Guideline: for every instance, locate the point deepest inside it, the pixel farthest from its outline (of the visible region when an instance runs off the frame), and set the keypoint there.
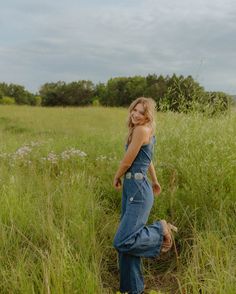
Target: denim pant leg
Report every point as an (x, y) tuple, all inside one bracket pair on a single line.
[(133, 238), (131, 278), (133, 235)]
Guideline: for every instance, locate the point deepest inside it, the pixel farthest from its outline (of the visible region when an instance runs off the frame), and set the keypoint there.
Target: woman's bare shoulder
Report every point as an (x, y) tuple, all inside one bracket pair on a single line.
[(142, 133), (143, 130)]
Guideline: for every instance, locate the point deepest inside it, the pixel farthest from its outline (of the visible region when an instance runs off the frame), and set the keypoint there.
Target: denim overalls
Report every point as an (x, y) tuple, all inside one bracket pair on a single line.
[(134, 239)]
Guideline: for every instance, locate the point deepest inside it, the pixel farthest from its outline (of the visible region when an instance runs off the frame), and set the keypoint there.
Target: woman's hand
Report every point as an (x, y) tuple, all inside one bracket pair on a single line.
[(117, 183), (156, 188)]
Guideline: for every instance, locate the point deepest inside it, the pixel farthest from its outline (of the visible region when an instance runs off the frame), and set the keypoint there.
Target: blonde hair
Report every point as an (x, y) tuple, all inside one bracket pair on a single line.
[(149, 106)]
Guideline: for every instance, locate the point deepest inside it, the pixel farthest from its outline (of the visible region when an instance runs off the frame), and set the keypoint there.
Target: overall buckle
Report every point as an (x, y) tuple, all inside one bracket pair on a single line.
[(137, 176), (128, 175)]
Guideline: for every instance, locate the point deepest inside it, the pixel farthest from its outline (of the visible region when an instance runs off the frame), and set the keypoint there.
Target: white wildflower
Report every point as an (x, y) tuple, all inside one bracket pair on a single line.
[(22, 152), (101, 157), (52, 157), (104, 157), (67, 154), (35, 144)]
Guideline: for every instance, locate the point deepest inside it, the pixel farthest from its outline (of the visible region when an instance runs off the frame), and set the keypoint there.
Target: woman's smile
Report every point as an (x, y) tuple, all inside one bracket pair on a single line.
[(134, 119), (137, 114)]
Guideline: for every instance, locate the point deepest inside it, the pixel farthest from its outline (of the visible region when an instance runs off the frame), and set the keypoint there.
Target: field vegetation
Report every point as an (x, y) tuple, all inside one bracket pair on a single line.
[(59, 211)]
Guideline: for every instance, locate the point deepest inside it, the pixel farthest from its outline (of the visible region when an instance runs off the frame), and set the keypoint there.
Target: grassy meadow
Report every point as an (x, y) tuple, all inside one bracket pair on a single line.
[(59, 210)]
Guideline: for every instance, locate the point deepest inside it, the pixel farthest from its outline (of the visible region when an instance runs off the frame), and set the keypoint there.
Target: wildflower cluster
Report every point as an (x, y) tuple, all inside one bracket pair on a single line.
[(22, 152), (52, 157), (65, 155), (104, 157)]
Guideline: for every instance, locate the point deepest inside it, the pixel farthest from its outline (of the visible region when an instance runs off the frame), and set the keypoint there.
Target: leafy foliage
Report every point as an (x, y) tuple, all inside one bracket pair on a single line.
[(7, 100), (61, 94), (171, 93), (18, 93)]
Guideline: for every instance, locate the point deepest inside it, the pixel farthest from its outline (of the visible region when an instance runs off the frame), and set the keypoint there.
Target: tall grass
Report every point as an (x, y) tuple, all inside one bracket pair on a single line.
[(59, 211)]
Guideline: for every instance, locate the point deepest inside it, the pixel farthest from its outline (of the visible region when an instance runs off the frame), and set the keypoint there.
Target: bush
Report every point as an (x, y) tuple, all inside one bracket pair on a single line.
[(96, 102), (37, 100), (7, 100)]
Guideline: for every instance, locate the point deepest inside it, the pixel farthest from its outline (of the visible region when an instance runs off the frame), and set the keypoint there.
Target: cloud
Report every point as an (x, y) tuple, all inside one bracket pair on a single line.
[(49, 41)]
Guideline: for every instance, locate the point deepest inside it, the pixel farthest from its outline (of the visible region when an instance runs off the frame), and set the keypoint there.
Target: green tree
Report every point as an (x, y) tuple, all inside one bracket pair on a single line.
[(53, 94), (100, 93), (18, 92), (156, 87), (182, 92), (121, 91), (62, 94), (81, 92)]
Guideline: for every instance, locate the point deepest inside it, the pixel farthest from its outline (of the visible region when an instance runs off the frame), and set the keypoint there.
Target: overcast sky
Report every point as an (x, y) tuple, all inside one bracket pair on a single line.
[(46, 41)]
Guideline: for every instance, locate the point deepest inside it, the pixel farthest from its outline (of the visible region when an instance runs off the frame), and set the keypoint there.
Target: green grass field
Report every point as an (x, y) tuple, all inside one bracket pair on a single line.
[(59, 210)]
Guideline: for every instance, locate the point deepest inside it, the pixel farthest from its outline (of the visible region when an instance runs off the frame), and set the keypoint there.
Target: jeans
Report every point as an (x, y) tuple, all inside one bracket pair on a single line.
[(134, 239)]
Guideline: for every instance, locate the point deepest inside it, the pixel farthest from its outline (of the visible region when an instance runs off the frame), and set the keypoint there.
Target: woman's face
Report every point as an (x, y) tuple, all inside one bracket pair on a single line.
[(137, 114)]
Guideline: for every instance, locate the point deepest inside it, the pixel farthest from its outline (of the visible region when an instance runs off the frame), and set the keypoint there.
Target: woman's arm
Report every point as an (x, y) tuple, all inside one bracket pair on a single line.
[(152, 172), (155, 184), (139, 136)]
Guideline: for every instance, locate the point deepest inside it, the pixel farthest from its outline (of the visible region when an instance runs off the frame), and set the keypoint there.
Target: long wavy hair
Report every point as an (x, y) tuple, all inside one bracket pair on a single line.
[(149, 106)]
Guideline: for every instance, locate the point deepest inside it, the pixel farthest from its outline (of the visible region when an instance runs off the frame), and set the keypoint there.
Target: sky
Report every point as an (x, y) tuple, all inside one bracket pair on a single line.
[(47, 41)]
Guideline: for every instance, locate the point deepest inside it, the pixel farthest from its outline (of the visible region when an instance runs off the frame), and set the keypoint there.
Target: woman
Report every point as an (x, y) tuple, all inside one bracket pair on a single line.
[(133, 238)]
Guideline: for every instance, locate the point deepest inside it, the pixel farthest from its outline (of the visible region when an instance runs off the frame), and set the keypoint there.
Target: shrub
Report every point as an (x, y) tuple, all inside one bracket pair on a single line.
[(7, 100), (96, 101), (37, 100)]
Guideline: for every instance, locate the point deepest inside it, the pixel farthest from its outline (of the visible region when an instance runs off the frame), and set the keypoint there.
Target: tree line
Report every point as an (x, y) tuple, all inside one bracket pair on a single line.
[(175, 93), (17, 94)]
